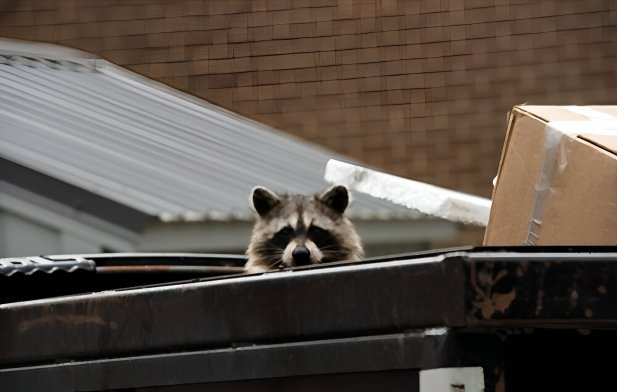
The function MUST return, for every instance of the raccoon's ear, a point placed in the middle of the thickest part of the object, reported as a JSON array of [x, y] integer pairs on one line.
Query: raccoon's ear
[[337, 198], [264, 200]]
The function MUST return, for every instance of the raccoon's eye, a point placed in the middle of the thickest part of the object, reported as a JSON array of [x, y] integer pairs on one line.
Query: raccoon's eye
[[317, 234], [286, 231], [282, 237]]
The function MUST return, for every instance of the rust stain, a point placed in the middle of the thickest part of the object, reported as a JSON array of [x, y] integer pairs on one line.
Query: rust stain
[[486, 301], [573, 298], [539, 302], [521, 268], [501, 302], [496, 302], [60, 319], [500, 386]]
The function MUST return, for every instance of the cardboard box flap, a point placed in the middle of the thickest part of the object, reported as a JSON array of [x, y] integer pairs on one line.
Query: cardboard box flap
[[606, 142], [611, 110], [570, 113]]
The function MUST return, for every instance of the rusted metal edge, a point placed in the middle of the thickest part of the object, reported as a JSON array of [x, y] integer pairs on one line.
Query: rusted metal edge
[[30, 265], [124, 269]]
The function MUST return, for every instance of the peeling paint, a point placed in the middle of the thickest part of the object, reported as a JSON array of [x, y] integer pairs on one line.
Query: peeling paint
[[60, 319], [497, 302], [486, 301]]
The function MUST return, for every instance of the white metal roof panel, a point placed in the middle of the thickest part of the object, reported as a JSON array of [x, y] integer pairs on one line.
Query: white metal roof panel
[[94, 125]]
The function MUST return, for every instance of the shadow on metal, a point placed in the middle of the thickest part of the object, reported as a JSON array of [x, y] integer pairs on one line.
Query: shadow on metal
[[507, 311]]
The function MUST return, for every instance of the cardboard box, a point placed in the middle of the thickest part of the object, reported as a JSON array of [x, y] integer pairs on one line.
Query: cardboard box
[[557, 178]]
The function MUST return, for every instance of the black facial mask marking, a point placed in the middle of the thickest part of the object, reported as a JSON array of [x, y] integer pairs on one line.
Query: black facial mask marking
[[321, 237], [283, 237]]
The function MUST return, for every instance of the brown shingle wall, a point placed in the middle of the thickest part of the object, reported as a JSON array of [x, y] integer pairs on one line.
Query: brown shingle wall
[[418, 88]]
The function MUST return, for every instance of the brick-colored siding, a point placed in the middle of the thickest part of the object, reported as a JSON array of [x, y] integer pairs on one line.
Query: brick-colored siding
[[418, 88]]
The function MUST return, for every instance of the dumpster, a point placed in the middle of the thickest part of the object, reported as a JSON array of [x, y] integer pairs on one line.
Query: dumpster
[[465, 319]]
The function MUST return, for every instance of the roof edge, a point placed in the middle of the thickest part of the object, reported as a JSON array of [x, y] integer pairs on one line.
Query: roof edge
[[49, 51], [73, 196]]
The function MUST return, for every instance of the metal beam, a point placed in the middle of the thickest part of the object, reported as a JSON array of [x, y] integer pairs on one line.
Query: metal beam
[[414, 350]]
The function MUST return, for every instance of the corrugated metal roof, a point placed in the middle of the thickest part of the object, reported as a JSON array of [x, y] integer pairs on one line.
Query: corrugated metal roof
[[91, 124]]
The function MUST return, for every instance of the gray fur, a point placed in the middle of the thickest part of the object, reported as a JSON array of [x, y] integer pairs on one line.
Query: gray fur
[[302, 218]]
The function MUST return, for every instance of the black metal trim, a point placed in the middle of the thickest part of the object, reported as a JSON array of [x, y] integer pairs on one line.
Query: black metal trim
[[414, 350], [40, 277], [141, 258], [338, 318], [324, 303], [74, 196]]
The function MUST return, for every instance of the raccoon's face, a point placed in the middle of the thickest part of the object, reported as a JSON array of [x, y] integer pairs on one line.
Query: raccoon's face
[[301, 230]]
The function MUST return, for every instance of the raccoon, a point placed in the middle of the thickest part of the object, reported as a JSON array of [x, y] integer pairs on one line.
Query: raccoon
[[295, 230]]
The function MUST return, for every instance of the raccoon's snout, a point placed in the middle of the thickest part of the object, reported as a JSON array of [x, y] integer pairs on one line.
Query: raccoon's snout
[[301, 255]]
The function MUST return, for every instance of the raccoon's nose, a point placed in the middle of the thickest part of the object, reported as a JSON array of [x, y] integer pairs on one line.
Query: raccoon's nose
[[301, 255]]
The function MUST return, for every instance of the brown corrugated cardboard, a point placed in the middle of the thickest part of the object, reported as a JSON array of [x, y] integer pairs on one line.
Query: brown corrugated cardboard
[[609, 143], [557, 179]]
